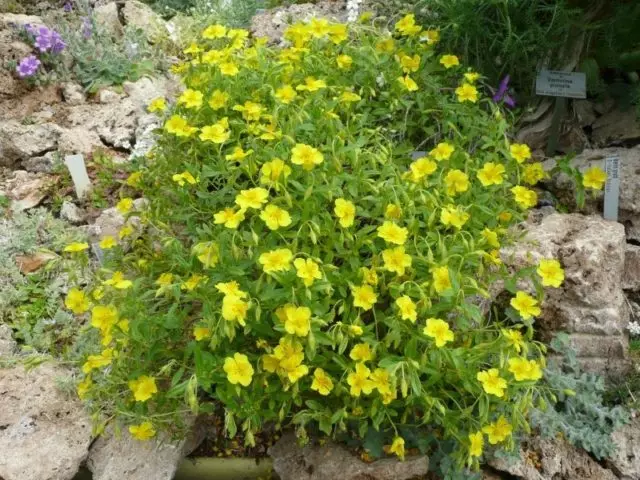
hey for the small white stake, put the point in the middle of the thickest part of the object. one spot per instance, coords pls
(612, 188)
(78, 170)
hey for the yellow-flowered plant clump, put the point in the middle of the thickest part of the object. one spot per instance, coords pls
(322, 220)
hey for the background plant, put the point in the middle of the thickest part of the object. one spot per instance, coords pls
(374, 326)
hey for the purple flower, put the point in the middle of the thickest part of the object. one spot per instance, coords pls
(68, 6)
(30, 29)
(87, 27)
(28, 66)
(58, 44)
(503, 95)
(44, 40)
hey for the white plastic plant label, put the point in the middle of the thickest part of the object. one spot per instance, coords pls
(612, 188)
(78, 170)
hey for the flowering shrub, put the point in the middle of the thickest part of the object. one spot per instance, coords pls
(47, 42)
(302, 259)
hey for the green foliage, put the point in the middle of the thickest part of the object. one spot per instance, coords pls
(32, 304)
(580, 413)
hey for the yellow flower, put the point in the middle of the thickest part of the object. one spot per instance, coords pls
(441, 279)
(533, 173)
(307, 270)
(143, 431)
(124, 205)
(76, 247)
(276, 260)
(356, 330)
(407, 25)
(238, 369)
(393, 211)
(271, 172)
(408, 83)
(190, 98)
(344, 61)
(107, 242)
(525, 197)
(397, 447)
(200, 333)
(143, 388)
(322, 382)
(229, 217)
(361, 352)
(338, 33)
(364, 297)
(456, 181)
(252, 198)
(392, 233)
(216, 133)
(234, 309)
(192, 49)
(476, 444)
(526, 305)
(491, 174)
(438, 330)
(471, 77)
(251, 111)
(498, 431)
(491, 237)
(297, 33)
(157, 105)
(386, 45)
(345, 211)
(348, 97)
(286, 94)
(369, 276)
(184, 177)
(208, 253)
(83, 387)
(467, 93)
(520, 152)
(76, 301)
(275, 217)
(117, 280)
(594, 178)
(318, 27)
(312, 84)
(359, 381)
(179, 127)
(396, 260)
(133, 180)
(164, 280)
(218, 100)
(238, 154)
(229, 69)
(430, 36)
(409, 64)
(407, 308)
(523, 369)
(551, 272)
(231, 288)
(98, 361)
(492, 382)
(292, 367)
(192, 282)
(104, 317)
(449, 61)
(421, 168)
(214, 31)
(454, 216)
(380, 380)
(515, 338)
(306, 155)
(297, 321)
(442, 151)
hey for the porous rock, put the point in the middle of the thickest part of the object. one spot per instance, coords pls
(331, 461)
(21, 142)
(44, 434)
(142, 17)
(71, 213)
(73, 93)
(625, 461)
(7, 343)
(552, 459)
(108, 20)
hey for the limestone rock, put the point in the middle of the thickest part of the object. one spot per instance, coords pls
(108, 223)
(631, 278)
(17, 19)
(106, 95)
(21, 142)
(108, 19)
(79, 140)
(590, 305)
(7, 344)
(616, 127)
(44, 435)
(115, 123)
(71, 213)
(332, 461)
(142, 91)
(142, 16)
(145, 135)
(73, 94)
(43, 164)
(626, 460)
(272, 23)
(123, 457)
(552, 459)
(584, 112)
(26, 190)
